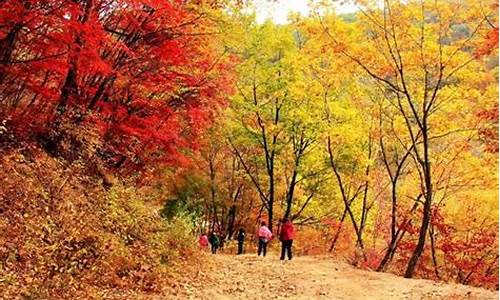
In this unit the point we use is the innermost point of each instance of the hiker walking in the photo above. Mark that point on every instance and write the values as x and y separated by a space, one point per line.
286 237
214 242
264 235
241 240
203 241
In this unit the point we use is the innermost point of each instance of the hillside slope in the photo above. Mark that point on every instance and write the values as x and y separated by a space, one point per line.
251 277
64 236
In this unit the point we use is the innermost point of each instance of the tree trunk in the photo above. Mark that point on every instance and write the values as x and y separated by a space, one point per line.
392 245
398 236
270 203
231 219
270 213
70 83
347 203
337 234
7 47
426 214
433 250
366 208
289 195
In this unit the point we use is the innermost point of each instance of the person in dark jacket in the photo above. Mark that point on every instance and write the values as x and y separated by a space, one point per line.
241 240
286 237
214 242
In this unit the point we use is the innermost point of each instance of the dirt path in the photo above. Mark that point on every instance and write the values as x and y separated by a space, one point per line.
251 277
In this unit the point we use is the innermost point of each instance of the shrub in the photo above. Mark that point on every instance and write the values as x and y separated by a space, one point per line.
62 235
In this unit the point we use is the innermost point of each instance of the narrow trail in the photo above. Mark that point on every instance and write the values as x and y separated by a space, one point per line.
252 277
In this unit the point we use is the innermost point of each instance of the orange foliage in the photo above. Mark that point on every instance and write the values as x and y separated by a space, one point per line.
63 236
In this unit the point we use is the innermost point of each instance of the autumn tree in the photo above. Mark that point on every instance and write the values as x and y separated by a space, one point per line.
138 76
420 65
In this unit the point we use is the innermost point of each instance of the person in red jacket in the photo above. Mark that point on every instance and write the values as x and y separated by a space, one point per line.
286 238
203 241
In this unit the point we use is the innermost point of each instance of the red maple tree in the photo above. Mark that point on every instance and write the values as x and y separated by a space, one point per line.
143 74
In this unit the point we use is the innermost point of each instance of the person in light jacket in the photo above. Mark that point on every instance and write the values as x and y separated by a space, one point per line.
264 235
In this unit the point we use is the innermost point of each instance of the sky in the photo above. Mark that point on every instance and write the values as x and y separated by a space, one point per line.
278 10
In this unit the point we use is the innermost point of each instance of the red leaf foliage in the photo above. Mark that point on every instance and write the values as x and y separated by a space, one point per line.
140 73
